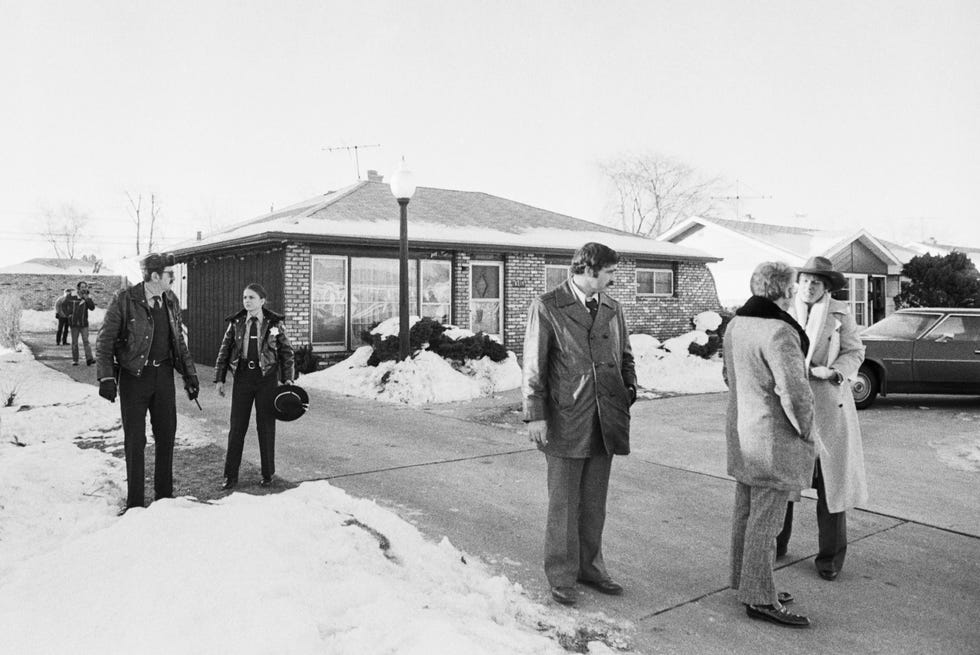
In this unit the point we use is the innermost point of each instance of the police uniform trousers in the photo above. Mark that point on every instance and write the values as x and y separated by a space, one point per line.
252 388
152 390
577 490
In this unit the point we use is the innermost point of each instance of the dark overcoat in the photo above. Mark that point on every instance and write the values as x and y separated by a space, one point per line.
575 367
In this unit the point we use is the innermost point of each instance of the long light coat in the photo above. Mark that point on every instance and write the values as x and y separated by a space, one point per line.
770 405
835 425
574 367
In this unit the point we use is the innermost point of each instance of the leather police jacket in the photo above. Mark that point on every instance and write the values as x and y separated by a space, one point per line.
127 333
275 351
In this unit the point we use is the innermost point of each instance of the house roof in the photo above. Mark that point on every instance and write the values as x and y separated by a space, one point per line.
55 266
366 212
799 242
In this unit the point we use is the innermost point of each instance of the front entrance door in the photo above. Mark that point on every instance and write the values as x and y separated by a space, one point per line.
487 298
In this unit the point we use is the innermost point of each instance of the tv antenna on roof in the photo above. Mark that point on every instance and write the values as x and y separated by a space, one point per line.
738 197
354 149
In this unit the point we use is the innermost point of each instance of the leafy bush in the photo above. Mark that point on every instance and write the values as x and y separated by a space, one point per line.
10 309
430 333
305 360
940 281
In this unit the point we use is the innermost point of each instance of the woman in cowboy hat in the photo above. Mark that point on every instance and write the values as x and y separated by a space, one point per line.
834 356
256 348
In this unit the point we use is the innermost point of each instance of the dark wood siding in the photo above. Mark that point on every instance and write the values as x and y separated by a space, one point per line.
214 289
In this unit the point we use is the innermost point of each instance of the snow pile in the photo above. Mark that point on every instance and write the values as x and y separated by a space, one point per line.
310 570
424 378
668 367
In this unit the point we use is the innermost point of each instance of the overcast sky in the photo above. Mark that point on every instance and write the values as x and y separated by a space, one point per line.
843 114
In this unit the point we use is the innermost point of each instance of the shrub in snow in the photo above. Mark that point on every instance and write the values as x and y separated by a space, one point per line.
429 334
10 310
305 360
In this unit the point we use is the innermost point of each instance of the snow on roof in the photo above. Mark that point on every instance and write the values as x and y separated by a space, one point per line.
367 211
54 266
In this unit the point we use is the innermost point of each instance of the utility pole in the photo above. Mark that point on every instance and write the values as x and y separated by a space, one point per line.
738 197
354 149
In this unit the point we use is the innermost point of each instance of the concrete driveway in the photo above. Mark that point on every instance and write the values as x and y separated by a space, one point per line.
911 583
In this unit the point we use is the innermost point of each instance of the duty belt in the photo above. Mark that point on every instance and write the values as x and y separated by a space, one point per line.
252 365
157 363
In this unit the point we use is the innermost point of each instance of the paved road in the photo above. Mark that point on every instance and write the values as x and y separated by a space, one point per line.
912 579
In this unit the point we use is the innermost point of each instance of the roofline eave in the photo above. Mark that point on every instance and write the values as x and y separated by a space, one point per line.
281 238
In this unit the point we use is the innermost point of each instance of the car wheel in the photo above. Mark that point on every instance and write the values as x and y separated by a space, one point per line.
865 388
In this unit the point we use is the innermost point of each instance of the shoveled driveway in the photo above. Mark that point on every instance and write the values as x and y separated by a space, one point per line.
911 583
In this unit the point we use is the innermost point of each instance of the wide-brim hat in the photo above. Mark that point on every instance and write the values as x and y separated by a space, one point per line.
824 268
290 402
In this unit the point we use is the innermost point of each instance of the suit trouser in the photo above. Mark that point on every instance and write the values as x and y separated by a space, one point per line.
577 490
152 390
831 529
756 519
75 332
63 331
251 387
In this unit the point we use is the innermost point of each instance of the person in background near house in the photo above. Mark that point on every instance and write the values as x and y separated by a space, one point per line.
255 347
579 383
142 343
834 356
768 426
77 307
61 338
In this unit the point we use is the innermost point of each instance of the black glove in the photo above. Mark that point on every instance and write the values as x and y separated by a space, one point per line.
192 387
107 389
632 391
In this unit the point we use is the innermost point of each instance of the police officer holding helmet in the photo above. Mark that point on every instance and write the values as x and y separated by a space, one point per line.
140 345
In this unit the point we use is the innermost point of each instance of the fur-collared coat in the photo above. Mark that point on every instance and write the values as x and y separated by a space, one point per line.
835 422
770 404
574 367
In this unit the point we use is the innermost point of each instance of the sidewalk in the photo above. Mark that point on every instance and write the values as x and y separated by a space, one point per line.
464 472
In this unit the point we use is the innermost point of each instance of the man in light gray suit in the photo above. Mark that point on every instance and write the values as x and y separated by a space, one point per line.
579 383
770 451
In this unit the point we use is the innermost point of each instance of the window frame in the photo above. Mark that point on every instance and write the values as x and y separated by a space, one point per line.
653 268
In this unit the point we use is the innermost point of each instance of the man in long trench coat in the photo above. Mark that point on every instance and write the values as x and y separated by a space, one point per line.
579 383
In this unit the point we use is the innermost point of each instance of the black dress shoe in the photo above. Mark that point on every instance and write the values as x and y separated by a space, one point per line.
784 597
779 616
89 362
564 595
266 482
606 586
230 483
828 574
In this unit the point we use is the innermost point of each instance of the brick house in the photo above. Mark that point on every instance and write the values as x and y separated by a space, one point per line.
872 266
331 265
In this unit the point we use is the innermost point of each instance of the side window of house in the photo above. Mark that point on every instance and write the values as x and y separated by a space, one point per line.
437 289
328 296
654 281
554 275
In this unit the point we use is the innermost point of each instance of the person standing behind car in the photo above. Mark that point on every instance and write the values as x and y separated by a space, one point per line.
77 307
61 338
142 341
255 347
834 356
579 381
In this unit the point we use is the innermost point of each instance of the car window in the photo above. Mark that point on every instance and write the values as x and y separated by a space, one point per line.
900 326
956 328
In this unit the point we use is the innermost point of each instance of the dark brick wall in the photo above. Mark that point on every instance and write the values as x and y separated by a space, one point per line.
41 291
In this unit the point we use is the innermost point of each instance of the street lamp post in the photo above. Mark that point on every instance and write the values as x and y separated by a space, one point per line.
403 187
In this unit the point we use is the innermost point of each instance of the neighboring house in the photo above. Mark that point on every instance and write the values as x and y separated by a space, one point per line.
872 266
39 283
932 247
331 265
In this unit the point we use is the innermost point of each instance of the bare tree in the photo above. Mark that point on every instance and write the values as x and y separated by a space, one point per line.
653 192
140 219
63 228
